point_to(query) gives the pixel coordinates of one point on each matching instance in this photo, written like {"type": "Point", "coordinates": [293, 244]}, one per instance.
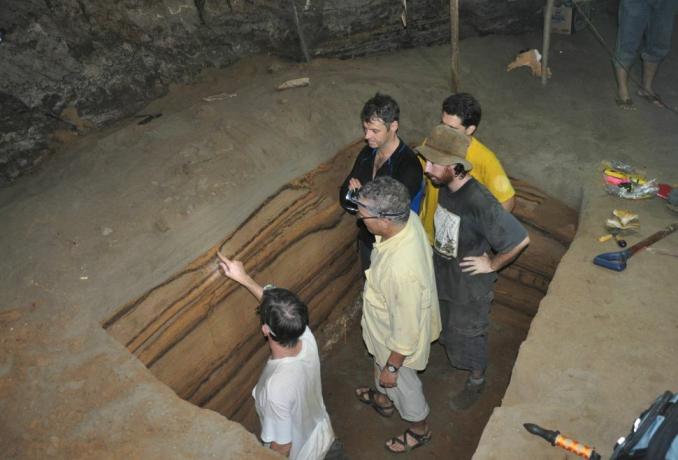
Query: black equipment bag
{"type": "Point", "coordinates": [654, 435]}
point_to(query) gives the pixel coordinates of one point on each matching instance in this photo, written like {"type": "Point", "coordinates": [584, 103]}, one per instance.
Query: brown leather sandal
{"type": "Point", "coordinates": [384, 411]}
{"type": "Point", "coordinates": [420, 439]}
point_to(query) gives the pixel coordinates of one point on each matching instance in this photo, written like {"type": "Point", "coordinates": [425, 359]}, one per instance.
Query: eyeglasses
{"type": "Point", "coordinates": [368, 217]}
{"type": "Point", "coordinates": [362, 205]}
{"type": "Point", "coordinates": [352, 198]}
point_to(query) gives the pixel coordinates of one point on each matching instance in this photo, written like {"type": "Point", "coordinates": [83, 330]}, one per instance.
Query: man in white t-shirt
{"type": "Point", "coordinates": [288, 396]}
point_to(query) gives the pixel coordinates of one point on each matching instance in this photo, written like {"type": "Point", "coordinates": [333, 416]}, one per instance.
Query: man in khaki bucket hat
{"type": "Point", "coordinates": [474, 237]}
{"type": "Point", "coordinates": [446, 146]}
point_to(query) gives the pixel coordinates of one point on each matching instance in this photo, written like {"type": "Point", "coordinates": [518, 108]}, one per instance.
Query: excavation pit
{"type": "Point", "coordinates": [587, 368]}
{"type": "Point", "coordinates": [198, 333]}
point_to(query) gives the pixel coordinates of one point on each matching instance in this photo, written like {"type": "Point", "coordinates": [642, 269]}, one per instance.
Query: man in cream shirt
{"type": "Point", "coordinates": [401, 316]}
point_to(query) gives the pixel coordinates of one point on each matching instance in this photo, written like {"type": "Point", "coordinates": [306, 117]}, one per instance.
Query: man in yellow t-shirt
{"type": "Point", "coordinates": [462, 112]}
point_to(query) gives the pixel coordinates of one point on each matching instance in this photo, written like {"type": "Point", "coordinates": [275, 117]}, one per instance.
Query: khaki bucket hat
{"type": "Point", "coordinates": [446, 146]}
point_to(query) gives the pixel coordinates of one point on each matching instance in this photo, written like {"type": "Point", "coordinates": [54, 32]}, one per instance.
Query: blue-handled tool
{"type": "Point", "coordinates": [617, 260]}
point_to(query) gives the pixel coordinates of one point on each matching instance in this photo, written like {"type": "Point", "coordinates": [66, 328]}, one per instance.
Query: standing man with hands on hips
{"type": "Point", "coordinates": [474, 238]}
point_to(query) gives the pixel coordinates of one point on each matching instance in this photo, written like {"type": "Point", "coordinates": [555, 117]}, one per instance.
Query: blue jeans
{"type": "Point", "coordinates": [653, 19]}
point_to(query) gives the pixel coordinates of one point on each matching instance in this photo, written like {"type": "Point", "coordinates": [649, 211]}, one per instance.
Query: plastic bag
{"type": "Point", "coordinates": [632, 191]}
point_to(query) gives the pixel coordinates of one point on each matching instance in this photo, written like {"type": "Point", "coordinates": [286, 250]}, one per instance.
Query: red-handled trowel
{"type": "Point", "coordinates": [617, 260]}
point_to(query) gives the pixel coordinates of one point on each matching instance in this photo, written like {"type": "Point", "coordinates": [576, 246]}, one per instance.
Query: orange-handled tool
{"type": "Point", "coordinates": [558, 440]}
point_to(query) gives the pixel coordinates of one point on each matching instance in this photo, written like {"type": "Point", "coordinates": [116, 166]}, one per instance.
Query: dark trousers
{"type": "Point", "coordinates": [365, 252]}
{"type": "Point", "coordinates": [336, 451]}
{"type": "Point", "coordinates": [464, 335]}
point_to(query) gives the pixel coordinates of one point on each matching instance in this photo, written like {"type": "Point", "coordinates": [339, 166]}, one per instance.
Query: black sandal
{"type": "Point", "coordinates": [384, 411]}
{"type": "Point", "coordinates": [420, 439]}
{"type": "Point", "coordinates": [652, 98]}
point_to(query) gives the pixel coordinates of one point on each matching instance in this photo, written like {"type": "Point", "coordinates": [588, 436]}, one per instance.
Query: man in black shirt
{"type": "Point", "coordinates": [474, 238]}
{"type": "Point", "coordinates": [384, 155]}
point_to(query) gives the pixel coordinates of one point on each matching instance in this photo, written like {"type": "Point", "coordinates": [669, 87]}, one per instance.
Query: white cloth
{"type": "Point", "coordinates": [289, 402]}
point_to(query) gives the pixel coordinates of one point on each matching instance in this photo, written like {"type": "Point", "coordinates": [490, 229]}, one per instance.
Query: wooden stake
{"type": "Point", "coordinates": [454, 43]}
{"type": "Point", "coordinates": [300, 32]}
{"type": "Point", "coordinates": [548, 12]}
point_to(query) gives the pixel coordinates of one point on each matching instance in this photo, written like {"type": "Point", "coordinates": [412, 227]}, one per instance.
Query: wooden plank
{"type": "Point", "coordinates": [544, 212]}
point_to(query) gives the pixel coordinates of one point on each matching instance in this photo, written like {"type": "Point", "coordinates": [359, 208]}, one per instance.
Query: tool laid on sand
{"type": "Point", "coordinates": [654, 435]}
{"type": "Point", "coordinates": [617, 260]}
{"type": "Point", "coordinates": [622, 222]}
{"type": "Point", "coordinates": [558, 440]}
{"type": "Point", "coordinates": [614, 233]}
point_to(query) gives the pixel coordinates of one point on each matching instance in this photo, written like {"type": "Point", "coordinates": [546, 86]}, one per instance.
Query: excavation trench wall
{"type": "Point", "coordinates": [198, 331]}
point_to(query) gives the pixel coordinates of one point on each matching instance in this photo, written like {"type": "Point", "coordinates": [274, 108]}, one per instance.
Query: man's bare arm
{"type": "Point", "coordinates": [509, 204]}
{"type": "Point", "coordinates": [501, 260]}
{"type": "Point", "coordinates": [282, 449]}
{"type": "Point", "coordinates": [235, 270]}
{"type": "Point", "coordinates": [389, 379]}
{"type": "Point", "coordinates": [486, 264]}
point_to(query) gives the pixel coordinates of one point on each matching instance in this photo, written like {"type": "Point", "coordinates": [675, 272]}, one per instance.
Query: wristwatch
{"type": "Point", "coordinates": [391, 368]}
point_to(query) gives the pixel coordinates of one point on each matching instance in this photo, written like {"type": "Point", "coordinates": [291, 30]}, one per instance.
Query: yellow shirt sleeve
{"type": "Point", "coordinates": [428, 208]}
{"type": "Point", "coordinates": [488, 171]}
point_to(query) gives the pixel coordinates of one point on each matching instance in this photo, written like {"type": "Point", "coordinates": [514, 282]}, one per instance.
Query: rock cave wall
{"type": "Point", "coordinates": [70, 66]}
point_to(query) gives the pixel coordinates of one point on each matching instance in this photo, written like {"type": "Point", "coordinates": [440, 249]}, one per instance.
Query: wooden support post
{"type": "Point", "coordinates": [548, 12]}
{"type": "Point", "coordinates": [300, 32]}
{"type": "Point", "coordinates": [454, 43]}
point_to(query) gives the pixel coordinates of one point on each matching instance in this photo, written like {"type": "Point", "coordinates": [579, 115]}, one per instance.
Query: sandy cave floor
{"type": "Point", "coordinates": [120, 210]}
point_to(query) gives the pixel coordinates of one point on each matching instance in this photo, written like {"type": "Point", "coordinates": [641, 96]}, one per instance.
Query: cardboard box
{"type": "Point", "coordinates": [567, 19]}
{"type": "Point", "coordinates": [561, 20]}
